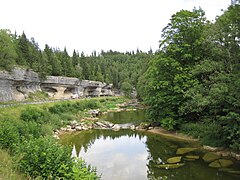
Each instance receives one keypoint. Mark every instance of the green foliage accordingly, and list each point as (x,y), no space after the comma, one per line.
(38,96)
(195,77)
(168,123)
(7,50)
(34,114)
(9,135)
(7,168)
(208,133)
(45,158)
(126,88)
(81,170)
(111,67)
(231,129)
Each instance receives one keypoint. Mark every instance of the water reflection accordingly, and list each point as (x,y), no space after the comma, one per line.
(124,117)
(133,155)
(112,157)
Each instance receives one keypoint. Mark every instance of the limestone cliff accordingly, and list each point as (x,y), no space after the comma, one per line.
(17,84)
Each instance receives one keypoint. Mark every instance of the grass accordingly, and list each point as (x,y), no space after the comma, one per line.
(7,170)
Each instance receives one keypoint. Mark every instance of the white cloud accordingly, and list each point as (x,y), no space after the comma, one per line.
(88,25)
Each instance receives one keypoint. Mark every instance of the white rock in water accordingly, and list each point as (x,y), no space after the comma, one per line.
(84,128)
(132,127)
(100,124)
(78,128)
(116,127)
(73,123)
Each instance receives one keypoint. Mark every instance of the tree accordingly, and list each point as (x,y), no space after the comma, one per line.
(23,51)
(169,72)
(7,50)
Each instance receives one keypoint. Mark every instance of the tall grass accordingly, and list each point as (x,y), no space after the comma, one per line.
(7,169)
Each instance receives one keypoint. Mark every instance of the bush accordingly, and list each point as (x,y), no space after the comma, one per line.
(45,158)
(81,170)
(231,129)
(35,114)
(168,123)
(9,135)
(208,133)
(67,107)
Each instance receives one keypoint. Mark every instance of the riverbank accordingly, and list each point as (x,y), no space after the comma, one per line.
(96,123)
(26,128)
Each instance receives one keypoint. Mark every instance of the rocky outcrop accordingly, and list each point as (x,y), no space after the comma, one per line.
(17,84)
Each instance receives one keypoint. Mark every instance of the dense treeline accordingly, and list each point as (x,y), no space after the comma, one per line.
(120,69)
(193,83)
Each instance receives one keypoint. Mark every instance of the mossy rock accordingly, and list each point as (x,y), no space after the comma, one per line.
(225,162)
(181,151)
(191,158)
(170,166)
(174,160)
(210,157)
(215,164)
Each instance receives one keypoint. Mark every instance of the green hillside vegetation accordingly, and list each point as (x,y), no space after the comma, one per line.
(119,69)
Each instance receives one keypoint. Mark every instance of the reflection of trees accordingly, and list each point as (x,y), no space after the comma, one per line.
(125,116)
(85,139)
(160,149)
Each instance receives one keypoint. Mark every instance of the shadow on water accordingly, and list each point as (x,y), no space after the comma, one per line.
(126,154)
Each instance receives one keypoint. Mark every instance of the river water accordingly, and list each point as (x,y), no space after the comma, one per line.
(133,155)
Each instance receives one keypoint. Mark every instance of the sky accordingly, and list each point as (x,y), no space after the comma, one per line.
(88,25)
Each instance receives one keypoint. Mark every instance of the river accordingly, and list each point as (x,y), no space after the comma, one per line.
(130,155)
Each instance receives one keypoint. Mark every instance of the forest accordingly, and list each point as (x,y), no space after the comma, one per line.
(191,84)
(120,69)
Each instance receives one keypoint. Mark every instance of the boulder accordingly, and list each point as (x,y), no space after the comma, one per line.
(78,128)
(116,127)
(132,127)
(174,160)
(73,123)
(100,124)
(192,157)
(215,164)
(225,162)
(181,151)
(210,157)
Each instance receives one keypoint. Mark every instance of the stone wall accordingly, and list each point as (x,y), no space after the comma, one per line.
(17,84)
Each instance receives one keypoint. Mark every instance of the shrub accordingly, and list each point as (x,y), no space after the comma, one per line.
(9,135)
(67,107)
(35,114)
(231,129)
(45,158)
(168,123)
(208,133)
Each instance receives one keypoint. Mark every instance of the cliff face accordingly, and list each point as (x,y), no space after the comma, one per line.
(17,85)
